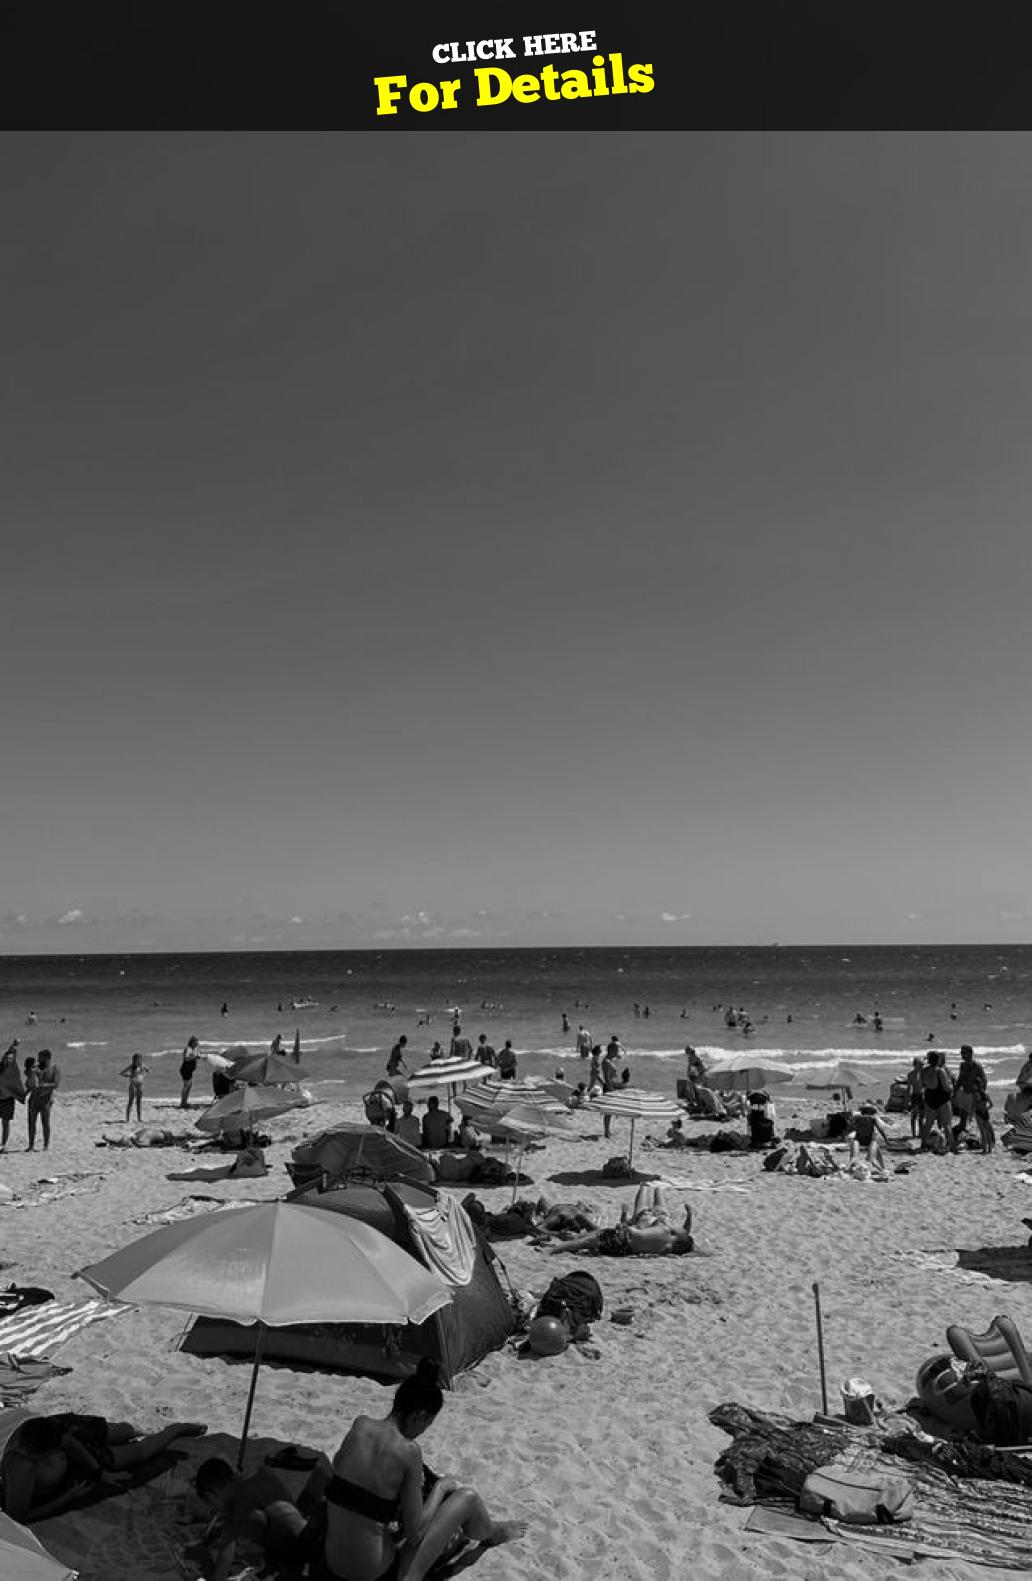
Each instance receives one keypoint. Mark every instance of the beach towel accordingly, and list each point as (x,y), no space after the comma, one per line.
(21,1376)
(37,1330)
(187,1207)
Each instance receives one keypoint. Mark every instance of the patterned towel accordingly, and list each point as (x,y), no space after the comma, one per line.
(36,1330)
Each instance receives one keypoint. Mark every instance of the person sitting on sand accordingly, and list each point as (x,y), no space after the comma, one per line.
(260,1509)
(437,1126)
(650,1231)
(468,1136)
(868,1132)
(408,1127)
(51,1461)
(136,1070)
(380,1523)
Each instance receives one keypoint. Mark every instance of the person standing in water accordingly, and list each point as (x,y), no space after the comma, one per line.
(136,1070)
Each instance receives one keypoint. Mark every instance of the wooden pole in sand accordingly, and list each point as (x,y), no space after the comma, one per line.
(820,1347)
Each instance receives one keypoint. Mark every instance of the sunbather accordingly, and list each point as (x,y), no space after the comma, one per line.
(379,1523)
(51,1461)
(867,1133)
(650,1230)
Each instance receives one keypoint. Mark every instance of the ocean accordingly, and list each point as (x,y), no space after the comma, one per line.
(94,1011)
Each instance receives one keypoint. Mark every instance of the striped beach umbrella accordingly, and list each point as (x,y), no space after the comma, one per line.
(451,1072)
(495,1096)
(634,1104)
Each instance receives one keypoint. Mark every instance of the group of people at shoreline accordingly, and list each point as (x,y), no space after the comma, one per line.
(33,1084)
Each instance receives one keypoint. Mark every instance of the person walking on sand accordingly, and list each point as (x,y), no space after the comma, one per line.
(970,1084)
(916,1094)
(41,1098)
(12,1091)
(187,1070)
(136,1070)
(379,1494)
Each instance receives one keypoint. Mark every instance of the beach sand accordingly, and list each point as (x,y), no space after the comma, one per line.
(606,1451)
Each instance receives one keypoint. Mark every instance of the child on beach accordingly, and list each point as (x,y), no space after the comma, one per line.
(136,1070)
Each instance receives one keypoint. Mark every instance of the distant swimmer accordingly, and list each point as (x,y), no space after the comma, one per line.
(988,1007)
(877,1022)
(30,1019)
(225,1009)
(859,1020)
(566,1022)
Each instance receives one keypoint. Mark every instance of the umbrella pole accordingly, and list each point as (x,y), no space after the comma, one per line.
(516,1182)
(820,1348)
(630,1148)
(259,1329)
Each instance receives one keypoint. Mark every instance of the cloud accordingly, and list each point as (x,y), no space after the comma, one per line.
(66,917)
(295,922)
(464,933)
(667,916)
(913,916)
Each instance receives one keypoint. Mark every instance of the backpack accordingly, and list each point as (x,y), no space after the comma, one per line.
(379,1106)
(576,1299)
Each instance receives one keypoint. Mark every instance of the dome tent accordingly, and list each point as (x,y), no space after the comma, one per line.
(436,1230)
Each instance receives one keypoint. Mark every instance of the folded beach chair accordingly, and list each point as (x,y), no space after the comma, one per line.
(1000,1348)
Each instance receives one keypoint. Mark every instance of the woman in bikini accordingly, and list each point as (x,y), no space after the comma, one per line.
(380,1525)
(136,1070)
(12,1091)
(649,1231)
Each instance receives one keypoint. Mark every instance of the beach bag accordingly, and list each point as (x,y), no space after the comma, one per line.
(576,1299)
(858,1498)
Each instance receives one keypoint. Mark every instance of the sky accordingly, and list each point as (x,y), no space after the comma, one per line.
(569,538)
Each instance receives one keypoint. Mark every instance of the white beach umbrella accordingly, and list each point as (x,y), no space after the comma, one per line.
(634,1104)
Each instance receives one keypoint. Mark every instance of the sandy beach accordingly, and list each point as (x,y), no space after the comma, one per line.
(606,1450)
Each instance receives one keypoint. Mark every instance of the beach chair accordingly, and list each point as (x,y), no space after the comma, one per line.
(1000,1348)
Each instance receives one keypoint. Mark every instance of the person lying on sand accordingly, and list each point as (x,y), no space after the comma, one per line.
(867,1133)
(649,1231)
(380,1526)
(260,1509)
(51,1461)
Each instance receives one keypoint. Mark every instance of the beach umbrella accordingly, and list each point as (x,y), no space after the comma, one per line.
(634,1104)
(838,1076)
(269,1070)
(23,1557)
(526,1122)
(493,1096)
(745,1075)
(273,1264)
(248,1107)
(351,1148)
(450,1072)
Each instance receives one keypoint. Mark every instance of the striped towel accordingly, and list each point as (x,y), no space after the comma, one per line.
(36,1330)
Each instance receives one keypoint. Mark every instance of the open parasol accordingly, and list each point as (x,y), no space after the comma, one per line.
(247,1107)
(634,1104)
(273,1264)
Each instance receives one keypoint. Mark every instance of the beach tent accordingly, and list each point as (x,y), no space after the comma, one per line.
(434,1228)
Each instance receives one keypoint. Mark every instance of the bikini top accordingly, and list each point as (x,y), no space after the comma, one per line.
(360,1501)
